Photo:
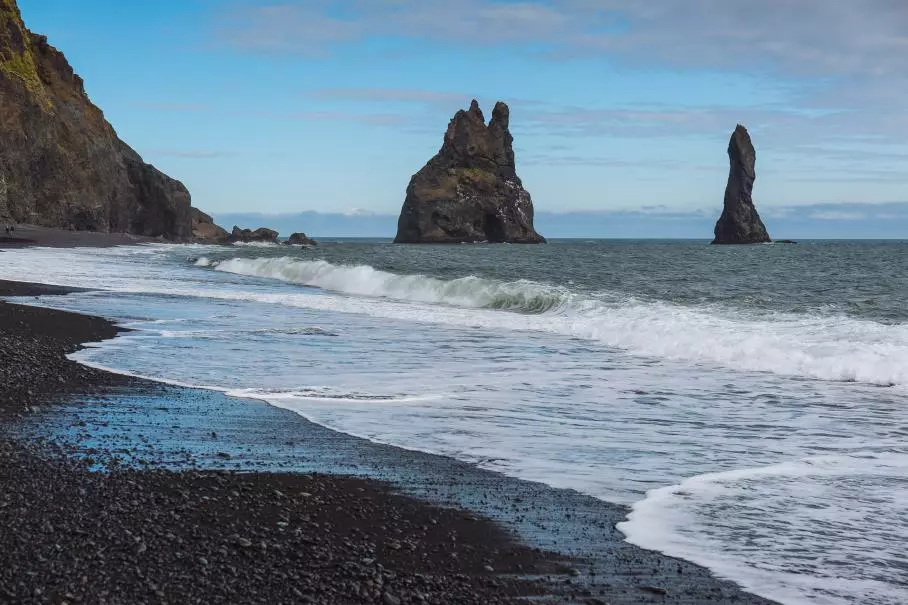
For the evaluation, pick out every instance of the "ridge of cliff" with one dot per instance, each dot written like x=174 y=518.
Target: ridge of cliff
x=61 y=163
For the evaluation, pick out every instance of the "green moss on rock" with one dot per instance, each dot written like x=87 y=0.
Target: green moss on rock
x=16 y=57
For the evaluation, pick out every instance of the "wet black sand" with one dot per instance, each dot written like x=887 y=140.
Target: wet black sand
x=138 y=428
x=33 y=235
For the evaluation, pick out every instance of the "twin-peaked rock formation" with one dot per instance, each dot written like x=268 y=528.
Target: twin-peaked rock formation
x=470 y=191
x=61 y=163
x=739 y=222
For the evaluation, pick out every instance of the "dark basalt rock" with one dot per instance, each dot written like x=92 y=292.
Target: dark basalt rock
x=262 y=234
x=61 y=163
x=204 y=230
x=300 y=239
x=740 y=223
x=470 y=191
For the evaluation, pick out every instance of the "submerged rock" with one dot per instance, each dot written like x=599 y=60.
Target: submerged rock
x=739 y=222
x=300 y=239
x=262 y=234
x=204 y=231
x=470 y=191
x=61 y=163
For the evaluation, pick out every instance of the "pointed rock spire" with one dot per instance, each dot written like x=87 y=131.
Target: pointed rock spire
x=740 y=223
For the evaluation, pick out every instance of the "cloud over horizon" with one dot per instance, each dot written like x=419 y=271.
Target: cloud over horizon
x=815 y=221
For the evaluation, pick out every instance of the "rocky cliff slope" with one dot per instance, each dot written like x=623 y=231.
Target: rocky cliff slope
x=470 y=191
x=61 y=163
x=204 y=230
x=739 y=222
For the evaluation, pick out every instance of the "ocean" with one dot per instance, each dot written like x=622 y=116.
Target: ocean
x=749 y=403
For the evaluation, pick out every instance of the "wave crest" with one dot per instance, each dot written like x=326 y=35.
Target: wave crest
x=522 y=296
x=823 y=347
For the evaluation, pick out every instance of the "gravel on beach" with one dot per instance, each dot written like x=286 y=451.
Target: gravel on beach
x=89 y=515
x=73 y=534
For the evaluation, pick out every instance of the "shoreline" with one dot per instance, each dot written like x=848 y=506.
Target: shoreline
x=154 y=426
x=35 y=235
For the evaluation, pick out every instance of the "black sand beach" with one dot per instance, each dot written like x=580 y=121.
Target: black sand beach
x=177 y=516
x=33 y=235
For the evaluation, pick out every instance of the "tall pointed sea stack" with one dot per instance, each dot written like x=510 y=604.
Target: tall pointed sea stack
x=61 y=163
x=470 y=191
x=740 y=223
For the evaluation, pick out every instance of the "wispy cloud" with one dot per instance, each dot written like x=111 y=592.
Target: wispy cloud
x=831 y=215
x=799 y=36
x=841 y=56
x=377 y=119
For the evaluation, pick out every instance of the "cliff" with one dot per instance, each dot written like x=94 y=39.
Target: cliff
x=470 y=191
x=61 y=163
x=740 y=223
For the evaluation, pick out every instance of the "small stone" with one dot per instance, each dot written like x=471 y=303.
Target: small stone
x=390 y=599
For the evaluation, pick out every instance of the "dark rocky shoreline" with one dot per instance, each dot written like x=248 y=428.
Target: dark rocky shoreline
x=213 y=532
x=74 y=535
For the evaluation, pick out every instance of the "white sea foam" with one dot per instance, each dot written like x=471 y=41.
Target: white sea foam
x=333 y=395
x=813 y=346
x=256 y=244
x=486 y=388
x=839 y=519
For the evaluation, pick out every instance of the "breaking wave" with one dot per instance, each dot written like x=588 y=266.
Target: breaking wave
x=471 y=292
x=823 y=347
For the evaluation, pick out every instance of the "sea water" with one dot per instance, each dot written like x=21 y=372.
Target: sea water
x=749 y=403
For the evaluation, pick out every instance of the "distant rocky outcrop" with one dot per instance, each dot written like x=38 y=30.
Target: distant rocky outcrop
x=61 y=163
x=262 y=234
x=204 y=231
x=739 y=222
x=470 y=191
x=300 y=239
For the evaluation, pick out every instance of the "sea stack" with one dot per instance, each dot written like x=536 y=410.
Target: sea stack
x=470 y=191
x=740 y=223
x=61 y=163
x=246 y=236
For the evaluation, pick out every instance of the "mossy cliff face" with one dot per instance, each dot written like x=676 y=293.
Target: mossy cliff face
x=61 y=163
x=470 y=191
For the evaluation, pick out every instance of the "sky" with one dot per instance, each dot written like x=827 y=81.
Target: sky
x=618 y=107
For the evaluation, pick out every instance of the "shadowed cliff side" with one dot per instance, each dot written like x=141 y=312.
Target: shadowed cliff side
x=61 y=163
x=470 y=191
x=739 y=222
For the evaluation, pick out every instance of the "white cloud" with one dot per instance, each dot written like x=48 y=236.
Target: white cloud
x=832 y=215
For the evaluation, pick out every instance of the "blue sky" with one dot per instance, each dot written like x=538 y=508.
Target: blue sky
x=616 y=105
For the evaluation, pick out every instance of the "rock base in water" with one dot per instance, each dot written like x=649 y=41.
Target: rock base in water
x=300 y=239
x=246 y=236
